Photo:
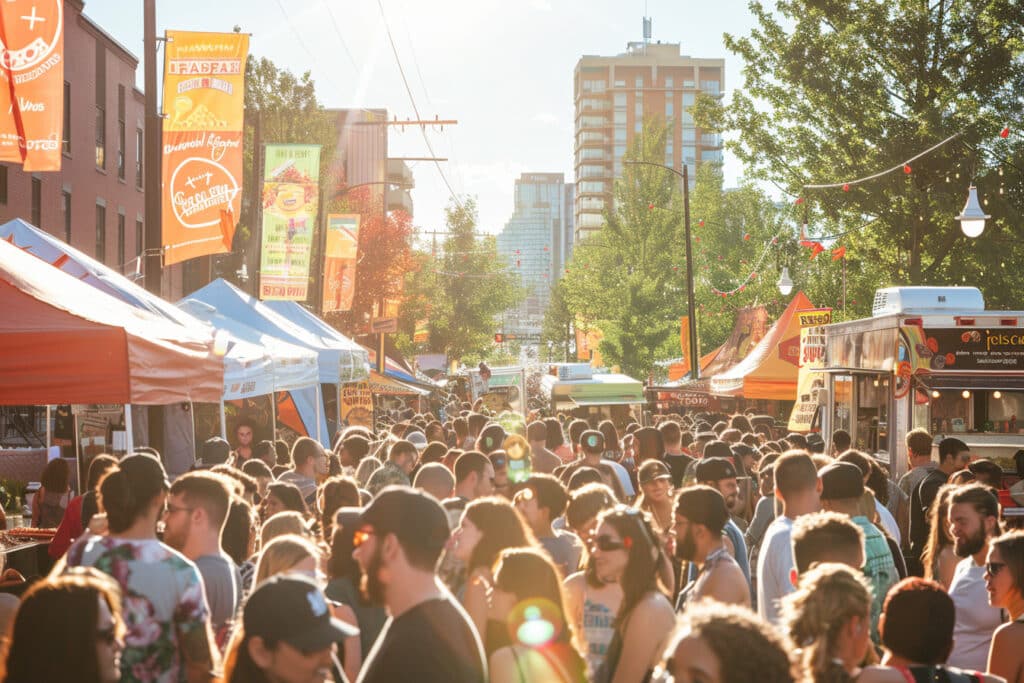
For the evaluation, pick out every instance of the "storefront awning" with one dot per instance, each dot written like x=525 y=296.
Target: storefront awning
x=388 y=386
x=623 y=401
x=973 y=382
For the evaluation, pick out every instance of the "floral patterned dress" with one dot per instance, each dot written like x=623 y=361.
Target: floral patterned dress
x=165 y=608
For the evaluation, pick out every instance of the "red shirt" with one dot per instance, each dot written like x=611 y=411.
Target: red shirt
x=70 y=528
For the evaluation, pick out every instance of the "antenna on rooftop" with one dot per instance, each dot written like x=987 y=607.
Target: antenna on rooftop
x=647 y=30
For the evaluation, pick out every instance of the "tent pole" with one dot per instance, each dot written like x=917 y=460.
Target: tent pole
x=337 y=405
x=49 y=430
x=223 y=423
x=273 y=416
x=192 y=414
x=129 y=438
x=318 y=404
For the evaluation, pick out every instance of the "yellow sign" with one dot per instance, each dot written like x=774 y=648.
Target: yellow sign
x=812 y=358
x=357 y=404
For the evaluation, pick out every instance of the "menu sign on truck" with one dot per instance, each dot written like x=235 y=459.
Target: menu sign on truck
x=204 y=82
x=32 y=88
x=961 y=348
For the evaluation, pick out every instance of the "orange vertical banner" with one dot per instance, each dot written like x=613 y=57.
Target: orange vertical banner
x=340 y=257
x=32 y=92
x=204 y=85
x=684 y=343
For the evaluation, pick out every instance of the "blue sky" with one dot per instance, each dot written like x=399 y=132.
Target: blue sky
x=502 y=68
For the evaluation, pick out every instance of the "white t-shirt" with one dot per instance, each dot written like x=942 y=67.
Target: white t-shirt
x=975 y=618
x=889 y=522
x=774 y=568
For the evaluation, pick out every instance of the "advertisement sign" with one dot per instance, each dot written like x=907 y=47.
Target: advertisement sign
x=204 y=82
x=961 y=348
x=421 y=332
x=340 y=255
x=291 y=180
x=588 y=345
x=357 y=404
x=811 y=357
x=32 y=94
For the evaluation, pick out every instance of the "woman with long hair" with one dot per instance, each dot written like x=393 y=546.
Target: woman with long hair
x=612 y=445
x=52 y=498
x=1004 y=579
x=282 y=496
x=829 y=618
x=488 y=526
x=527 y=600
x=169 y=636
x=626 y=551
x=67 y=628
x=726 y=644
x=297 y=555
x=938 y=557
x=556 y=440
x=336 y=492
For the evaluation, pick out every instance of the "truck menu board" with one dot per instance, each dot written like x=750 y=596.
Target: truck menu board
x=961 y=348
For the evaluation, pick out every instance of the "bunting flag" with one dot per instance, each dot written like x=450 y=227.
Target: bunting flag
x=32 y=93
x=838 y=253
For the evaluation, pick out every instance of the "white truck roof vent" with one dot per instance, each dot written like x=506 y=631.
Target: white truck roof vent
x=896 y=300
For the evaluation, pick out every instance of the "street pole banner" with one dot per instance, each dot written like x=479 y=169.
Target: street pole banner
x=340 y=256
x=204 y=93
x=32 y=92
x=291 y=182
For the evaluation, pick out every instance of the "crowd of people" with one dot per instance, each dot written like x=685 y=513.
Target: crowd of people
x=488 y=548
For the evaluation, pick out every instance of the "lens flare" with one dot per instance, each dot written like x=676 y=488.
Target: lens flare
x=535 y=622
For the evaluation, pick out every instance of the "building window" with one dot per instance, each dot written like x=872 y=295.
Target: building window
x=668 y=82
x=710 y=87
x=668 y=154
x=690 y=135
x=120 y=241
x=101 y=138
x=140 y=144
x=3 y=184
x=120 y=133
x=639 y=83
x=620 y=100
x=620 y=84
x=689 y=84
x=67 y=215
x=66 y=145
x=138 y=237
x=620 y=133
x=670 y=110
x=101 y=233
x=37 y=201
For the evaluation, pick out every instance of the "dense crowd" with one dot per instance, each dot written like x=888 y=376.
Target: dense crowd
x=706 y=548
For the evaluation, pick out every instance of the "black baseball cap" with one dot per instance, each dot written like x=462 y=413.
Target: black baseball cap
x=841 y=480
x=491 y=438
x=703 y=505
x=592 y=441
x=651 y=470
x=415 y=518
x=715 y=469
x=292 y=608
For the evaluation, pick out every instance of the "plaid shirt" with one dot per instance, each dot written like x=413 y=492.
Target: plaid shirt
x=879 y=568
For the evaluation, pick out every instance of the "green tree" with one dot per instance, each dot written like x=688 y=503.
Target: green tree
x=626 y=278
x=471 y=285
x=840 y=90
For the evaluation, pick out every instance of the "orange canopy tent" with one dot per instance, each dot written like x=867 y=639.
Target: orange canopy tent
x=63 y=341
x=771 y=368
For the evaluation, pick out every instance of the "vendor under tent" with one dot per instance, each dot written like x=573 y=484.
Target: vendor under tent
x=769 y=371
x=358 y=370
x=292 y=368
x=333 y=357
x=62 y=342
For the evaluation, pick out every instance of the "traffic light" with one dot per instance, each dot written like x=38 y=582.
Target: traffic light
x=499 y=338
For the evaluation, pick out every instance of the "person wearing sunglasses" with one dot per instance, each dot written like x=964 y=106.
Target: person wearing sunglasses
x=1004 y=581
x=68 y=628
x=626 y=551
x=974 y=522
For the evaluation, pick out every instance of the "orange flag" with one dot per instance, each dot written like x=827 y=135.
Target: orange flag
x=838 y=253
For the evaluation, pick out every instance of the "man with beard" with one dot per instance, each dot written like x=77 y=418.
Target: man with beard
x=194 y=518
x=309 y=460
x=700 y=516
x=973 y=521
x=428 y=637
x=719 y=474
x=954 y=455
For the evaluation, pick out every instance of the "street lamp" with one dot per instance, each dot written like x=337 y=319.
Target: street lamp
x=690 y=304
x=972 y=218
x=785 y=283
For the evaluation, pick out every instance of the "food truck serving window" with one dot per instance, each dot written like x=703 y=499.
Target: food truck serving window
x=974 y=404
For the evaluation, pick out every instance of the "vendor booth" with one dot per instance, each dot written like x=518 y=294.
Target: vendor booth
x=576 y=389
x=766 y=379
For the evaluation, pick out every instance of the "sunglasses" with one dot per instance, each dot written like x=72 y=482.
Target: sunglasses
x=993 y=568
x=606 y=544
x=360 y=537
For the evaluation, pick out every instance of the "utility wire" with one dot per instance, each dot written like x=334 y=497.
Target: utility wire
x=412 y=101
x=341 y=39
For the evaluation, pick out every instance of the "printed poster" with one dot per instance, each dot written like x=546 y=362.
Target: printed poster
x=291 y=182
x=204 y=80
x=357 y=404
x=32 y=91
x=340 y=256
x=811 y=358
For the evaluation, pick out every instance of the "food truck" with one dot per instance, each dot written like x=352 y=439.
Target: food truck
x=504 y=390
x=575 y=389
x=929 y=357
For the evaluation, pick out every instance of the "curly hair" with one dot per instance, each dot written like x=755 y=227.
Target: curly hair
x=728 y=629
x=828 y=596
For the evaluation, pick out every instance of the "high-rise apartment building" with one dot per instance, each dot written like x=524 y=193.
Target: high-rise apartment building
x=614 y=95
x=536 y=242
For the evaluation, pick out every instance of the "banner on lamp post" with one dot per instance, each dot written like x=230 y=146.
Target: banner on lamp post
x=291 y=180
x=340 y=255
x=204 y=93
x=32 y=88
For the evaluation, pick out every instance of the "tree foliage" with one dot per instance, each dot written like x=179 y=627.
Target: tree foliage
x=840 y=90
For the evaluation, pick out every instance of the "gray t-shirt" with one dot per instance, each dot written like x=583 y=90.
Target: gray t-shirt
x=307 y=486
x=565 y=549
x=223 y=584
